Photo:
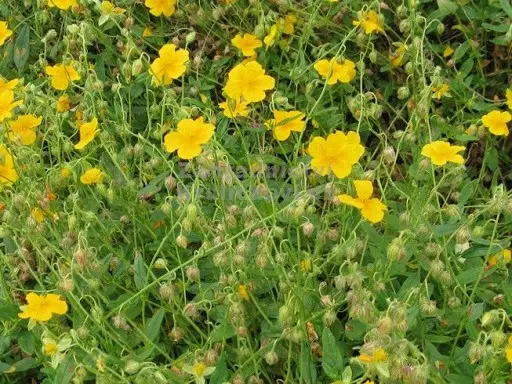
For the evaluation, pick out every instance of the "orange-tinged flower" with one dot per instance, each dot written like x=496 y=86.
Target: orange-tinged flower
x=8 y=85
x=87 y=133
x=440 y=91
x=62 y=75
x=242 y=291
x=497 y=121
x=23 y=129
x=505 y=256
x=441 y=152
x=379 y=355
x=5 y=32
x=188 y=138
x=372 y=209
x=63 y=4
x=92 y=176
x=286 y=122
x=248 y=81
x=8 y=174
x=246 y=43
x=232 y=108
x=334 y=71
x=369 y=21
x=169 y=65
x=161 y=7
x=7 y=104
x=338 y=153
x=63 y=104
x=42 y=308
x=508 y=95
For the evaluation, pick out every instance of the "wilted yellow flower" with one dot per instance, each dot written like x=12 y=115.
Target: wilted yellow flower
x=379 y=355
x=161 y=7
x=248 y=81
x=232 y=108
x=369 y=21
x=63 y=104
x=247 y=43
x=508 y=95
x=63 y=4
x=289 y=24
x=8 y=174
x=188 y=138
x=508 y=350
x=92 y=176
x=242 y=291
x=61 y=75
x=169 y=65
x=23 y=129
x=338 y=153
x=65 y=173
x=38 y=215
x=286 y=122
x=109 y=8
x=306 y=265
x=497 y=121
x=372 y=209
x=148 y=32
x=42 y=308
x=271 y=36
x=440 y=91
x=397 y=57
x=441 y=152
x=7 y=104
x=87 y=133
x=334 y=71
x=448 y=51
x=5 y=32
x=505 y=256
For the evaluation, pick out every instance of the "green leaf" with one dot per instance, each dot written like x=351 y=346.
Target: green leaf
x=492 y=159
x=25 y=364
x=8 y=311
x=65 y=371
x=153 y=326
x=447 y=7
x=467 y=191
x=26 y=341
x=505 y=5
x=469 y=276
x=332 y=359
x=22 y=47
x=222 y=332
x=140 y=276
x=475 y=311
x=221 y=373
x=461 y=50
x=307 y=367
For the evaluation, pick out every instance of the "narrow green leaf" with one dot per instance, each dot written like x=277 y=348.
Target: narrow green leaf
x=154 y=324
x=140 y=276
x=332 y=360
x=22 y=47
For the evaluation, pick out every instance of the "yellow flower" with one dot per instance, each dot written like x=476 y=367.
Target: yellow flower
x=63 y=4
x=7 y=104
x=87 y=133
x=110 y=9
x=5 y=32
x=232 y=108
x=161 y=7
x=271 y=37
x=508 y=95
x=242 y=291
x=497 y=121
x=63 y=104
x=369 y=21
x=441 y=152
x=379 y=355
x=248 y=81
x=440 y=91
x=148 y=32
x=284 y=122
x=61 y=75
x=8 y=85
x=448 y=51
x=334 y=71
x=65 y=173
x=397 y=57
x=306 y=265
x=246 y=43
x=188 y=138
x=289 y=24
x=37 y=215
x=169 y=65
x=92 y=176
x=337 y=154
x=50 y=348
x=42 y=308
x=508 y=350
x=23 y=129
x=8 y=174
x=372 y=209
x=505 y=255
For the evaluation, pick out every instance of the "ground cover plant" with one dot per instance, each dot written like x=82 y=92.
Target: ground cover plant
x=255 y=191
